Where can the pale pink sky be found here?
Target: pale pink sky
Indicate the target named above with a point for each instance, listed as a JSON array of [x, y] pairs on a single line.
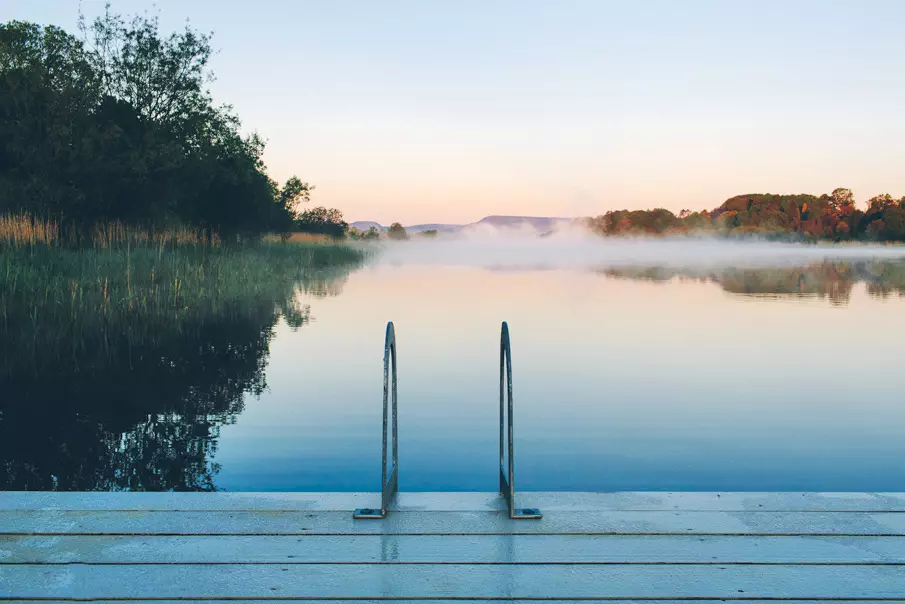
[[447, 112]]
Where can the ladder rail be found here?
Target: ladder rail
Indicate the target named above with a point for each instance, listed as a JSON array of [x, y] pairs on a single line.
[[389, 478], [507, 439], [389, 475]]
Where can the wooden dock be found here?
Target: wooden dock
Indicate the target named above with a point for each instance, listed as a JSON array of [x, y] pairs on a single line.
[[251, 547]]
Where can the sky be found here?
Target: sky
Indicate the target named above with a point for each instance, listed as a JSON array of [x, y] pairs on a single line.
[[446, 112]]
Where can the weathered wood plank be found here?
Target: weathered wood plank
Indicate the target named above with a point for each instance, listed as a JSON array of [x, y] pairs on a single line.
[[312, 523], [549, 501], [451, 549], [474, 581]]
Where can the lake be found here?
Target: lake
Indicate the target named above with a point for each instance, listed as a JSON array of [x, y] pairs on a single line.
[[637, 365]]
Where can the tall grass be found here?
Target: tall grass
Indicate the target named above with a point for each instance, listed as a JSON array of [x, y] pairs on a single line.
[[66, 311], [21, 229], [117, 234], [25, 230]]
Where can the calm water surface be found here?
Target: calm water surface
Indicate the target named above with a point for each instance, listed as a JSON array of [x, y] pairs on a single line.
[[673, 368], [687, 377]]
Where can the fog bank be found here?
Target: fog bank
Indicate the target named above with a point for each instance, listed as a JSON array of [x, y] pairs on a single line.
[[575, 249]]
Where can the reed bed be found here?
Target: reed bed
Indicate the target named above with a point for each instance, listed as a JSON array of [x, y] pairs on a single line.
[[20, 229], [117, 234], [66, 310], [301, 238]]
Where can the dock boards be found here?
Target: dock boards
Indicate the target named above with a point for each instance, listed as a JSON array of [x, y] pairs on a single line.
[[455, 546]]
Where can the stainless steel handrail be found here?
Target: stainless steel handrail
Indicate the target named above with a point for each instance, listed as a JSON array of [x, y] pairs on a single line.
[[507, 480], [389, 484]]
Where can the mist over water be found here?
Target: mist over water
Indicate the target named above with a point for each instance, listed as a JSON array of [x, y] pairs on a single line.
[[577, 249]]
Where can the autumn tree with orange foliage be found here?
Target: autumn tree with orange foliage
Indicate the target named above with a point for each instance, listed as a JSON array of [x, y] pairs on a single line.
[[832, 216]]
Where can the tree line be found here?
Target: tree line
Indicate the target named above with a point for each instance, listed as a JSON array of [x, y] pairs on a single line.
[[832, 216], [117, 123], [395, 232]]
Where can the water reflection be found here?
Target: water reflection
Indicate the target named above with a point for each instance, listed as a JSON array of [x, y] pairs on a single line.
[[150, 421], [828, 280], [633, 377], [620, 383]]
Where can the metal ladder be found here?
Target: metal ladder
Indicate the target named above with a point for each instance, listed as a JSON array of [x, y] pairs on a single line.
[[390, 482], [389, 486], [507, 479]]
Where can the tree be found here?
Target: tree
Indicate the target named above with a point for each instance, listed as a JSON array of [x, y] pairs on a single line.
[[842, 201], [121, 125], [876, 229], [294, 192], [48, 91], [879, 203], [894, 216], [397, 232], [163, 77], [696, 221], [323, 221], [842, 230]]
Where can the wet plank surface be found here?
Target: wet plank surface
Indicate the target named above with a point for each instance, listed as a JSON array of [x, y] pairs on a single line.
[[459, 546], [284, 522], [467, 502], [435, 549]]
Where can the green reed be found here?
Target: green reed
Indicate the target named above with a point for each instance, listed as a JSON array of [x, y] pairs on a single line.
[[66, 311]]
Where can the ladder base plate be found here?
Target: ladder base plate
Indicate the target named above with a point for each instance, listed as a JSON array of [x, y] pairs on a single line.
[[368, 514], [526, 514]]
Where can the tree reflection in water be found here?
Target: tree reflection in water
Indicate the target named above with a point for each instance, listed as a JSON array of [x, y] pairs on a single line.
[[150, 422], [831, 280]]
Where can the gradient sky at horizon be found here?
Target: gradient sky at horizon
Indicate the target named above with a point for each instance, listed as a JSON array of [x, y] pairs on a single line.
[[430, 112]]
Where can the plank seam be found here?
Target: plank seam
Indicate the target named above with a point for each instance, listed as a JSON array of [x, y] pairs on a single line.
[[446, 534], [456, 599], [461, 563], [442, 511]]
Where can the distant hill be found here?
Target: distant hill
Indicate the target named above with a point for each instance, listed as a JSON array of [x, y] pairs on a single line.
[[364, 225], [440, 228], [539, 223]]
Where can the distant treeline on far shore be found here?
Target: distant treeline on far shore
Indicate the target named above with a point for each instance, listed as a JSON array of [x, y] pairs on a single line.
[[803, 217], [832, 217]]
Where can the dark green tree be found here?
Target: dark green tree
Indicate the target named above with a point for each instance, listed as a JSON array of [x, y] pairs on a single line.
[[323, 221], [120, 125]]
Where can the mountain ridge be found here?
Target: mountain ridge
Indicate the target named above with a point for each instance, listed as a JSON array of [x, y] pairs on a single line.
[[541, 223]]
